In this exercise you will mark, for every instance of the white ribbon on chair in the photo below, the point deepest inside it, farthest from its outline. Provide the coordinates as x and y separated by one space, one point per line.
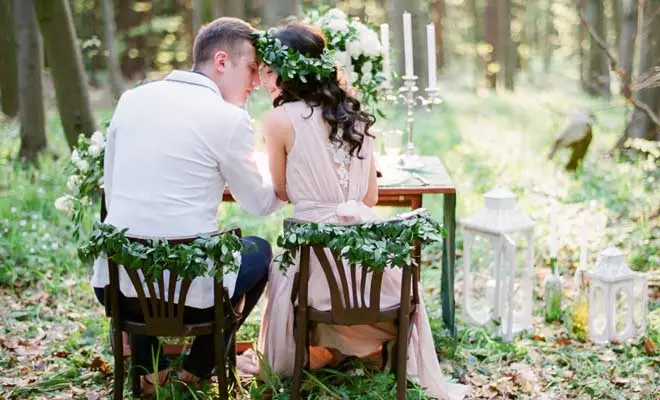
326 212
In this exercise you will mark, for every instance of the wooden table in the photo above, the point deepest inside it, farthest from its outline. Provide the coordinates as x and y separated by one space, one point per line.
410 194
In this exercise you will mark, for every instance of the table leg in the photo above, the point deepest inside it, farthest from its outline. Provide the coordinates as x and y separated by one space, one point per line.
448 264
417 247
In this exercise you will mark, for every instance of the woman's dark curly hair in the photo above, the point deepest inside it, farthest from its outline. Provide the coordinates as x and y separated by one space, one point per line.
340 110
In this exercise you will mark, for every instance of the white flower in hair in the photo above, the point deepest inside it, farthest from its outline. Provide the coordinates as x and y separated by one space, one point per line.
338 25
367 67
354 48
98 139
64 204
73 182
366 78
95 150
75 157
336 13
83 166
370 43
340 57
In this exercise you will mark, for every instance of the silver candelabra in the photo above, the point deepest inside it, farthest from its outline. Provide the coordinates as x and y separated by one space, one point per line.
406 95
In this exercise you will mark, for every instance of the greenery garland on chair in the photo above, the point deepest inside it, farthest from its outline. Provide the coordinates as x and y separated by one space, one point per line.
374 245
186 259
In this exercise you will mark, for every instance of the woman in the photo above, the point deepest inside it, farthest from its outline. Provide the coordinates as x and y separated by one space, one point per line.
320 158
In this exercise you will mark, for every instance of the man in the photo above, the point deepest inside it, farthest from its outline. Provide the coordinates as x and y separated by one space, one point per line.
172 147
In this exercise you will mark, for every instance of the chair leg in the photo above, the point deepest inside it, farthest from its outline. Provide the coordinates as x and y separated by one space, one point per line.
231 361
220 367
401 359
119 366
299 361
135 373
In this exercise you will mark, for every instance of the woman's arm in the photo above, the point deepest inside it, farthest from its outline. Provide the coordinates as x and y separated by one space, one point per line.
278 132
371 198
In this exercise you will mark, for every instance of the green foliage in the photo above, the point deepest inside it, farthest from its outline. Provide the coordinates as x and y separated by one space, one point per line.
289 63
373 245
187 260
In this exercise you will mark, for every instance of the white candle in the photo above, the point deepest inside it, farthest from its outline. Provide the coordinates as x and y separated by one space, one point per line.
553 229
385 41
430 41
407 43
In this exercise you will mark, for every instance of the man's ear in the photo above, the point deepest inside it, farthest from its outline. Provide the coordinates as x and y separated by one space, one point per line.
220 59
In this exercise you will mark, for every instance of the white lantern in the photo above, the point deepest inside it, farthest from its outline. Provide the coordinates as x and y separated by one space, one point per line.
618 299
498 265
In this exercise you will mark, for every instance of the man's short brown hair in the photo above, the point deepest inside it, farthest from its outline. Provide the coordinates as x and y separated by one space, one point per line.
221 34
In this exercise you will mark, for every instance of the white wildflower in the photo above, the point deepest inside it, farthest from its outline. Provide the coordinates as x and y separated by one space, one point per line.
354 48
98 139
338 25
13 210
73 182
64 204
335 13
95 150
367 67
23 222
83 166
237 257
356 372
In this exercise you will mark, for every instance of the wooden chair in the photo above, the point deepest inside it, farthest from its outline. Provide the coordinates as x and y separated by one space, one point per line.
347 309
163 317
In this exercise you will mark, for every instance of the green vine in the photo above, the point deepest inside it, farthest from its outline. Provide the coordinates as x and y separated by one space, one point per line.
188 260
374 245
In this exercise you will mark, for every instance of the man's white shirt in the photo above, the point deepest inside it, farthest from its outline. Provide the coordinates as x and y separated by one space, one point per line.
172 147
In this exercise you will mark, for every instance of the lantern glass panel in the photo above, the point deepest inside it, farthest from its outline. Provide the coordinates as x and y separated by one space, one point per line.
480 280
621 311
522 286
597 307
639 310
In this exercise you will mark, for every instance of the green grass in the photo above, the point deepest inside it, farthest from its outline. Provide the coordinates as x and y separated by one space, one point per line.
53 328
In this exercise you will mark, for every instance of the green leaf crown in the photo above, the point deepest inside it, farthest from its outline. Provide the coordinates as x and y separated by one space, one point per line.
289 63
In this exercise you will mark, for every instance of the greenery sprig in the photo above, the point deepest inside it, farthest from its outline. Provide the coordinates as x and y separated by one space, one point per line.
374 245
289 63
188 260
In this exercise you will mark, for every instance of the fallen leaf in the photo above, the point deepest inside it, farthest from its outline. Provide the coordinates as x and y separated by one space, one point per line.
563 341
99 364
61 354
538 338
650 347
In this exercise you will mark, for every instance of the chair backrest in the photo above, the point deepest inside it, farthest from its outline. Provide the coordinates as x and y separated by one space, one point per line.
351 302
160 307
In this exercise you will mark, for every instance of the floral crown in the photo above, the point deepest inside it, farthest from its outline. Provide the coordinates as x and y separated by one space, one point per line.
290 63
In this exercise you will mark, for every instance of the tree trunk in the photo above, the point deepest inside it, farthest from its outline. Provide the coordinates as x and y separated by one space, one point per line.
196 16
236 8
395 9
506 51
112 58
275 11
490 22
616 20
61 42
548 47
30 84
477 36
420 18
438 19
627 40
582 35
598 78
639 124
8 62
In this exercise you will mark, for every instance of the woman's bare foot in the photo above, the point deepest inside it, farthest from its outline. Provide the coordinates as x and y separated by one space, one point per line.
320 357
148 382
188 377
248 362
